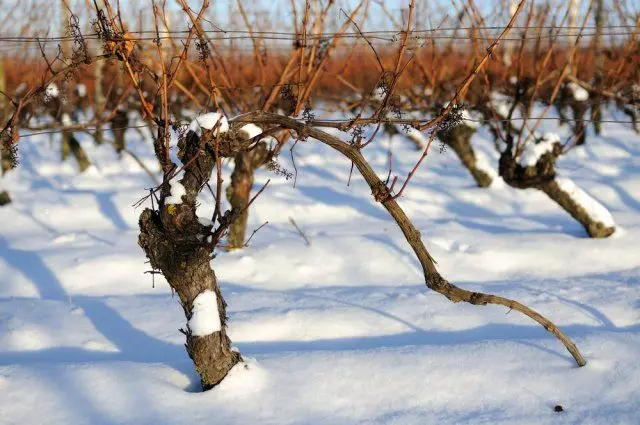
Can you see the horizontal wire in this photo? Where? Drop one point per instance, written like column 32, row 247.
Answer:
column 324, row 120
column 329, row 34
column 36, row 40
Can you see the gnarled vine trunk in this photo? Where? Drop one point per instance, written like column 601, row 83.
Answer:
column 181, row 248
column 564, row 197
column 173, row 247
column 595, row 219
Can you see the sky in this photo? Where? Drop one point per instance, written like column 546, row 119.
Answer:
column 264, row 14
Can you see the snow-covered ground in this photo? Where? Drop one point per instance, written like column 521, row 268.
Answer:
column 343, row 331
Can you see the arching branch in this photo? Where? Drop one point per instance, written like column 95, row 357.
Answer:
column 381, row 194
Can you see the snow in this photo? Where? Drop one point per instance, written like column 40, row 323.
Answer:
column 343, row 331
column 594, row 209
column 500, row 104
column 578, row 92
column 482, row 163
column 208, row 121
column 417, row 135
column 205, row 318
column 379, row 94
column 51, row 92
column 533, row 151
column 468, row 120
column 251, row 130
column 66, row 119
column 176, row 194
column 82, row 90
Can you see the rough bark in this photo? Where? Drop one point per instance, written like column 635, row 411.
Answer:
column 172, row 246
column 458, row 138
column 381, row 194
column 177, row 245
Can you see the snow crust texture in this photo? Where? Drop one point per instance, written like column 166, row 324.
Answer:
column 339, row 332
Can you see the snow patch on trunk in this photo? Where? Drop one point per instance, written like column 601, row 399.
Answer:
column 205, row 318
column 66, row 119
column 594, row 209
column 51, row 92
column 533, row 151
column 578, row 92
column 177, row 192
column 209, row 121
column 251, row 130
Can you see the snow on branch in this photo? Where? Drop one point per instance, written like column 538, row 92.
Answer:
column 594, row 209
column 209, row 121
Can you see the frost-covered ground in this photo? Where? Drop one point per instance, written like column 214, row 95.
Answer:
column 340, row 332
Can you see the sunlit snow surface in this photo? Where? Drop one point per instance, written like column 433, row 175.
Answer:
column 343, row 331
